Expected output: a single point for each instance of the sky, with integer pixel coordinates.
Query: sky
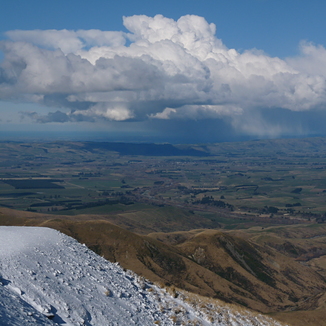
(184, 71)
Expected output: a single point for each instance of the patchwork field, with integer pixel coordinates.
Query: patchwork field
(280, 179)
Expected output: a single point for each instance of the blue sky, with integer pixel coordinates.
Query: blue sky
(262, 74)
(274, 26)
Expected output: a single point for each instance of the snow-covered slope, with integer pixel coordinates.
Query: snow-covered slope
(48, 278)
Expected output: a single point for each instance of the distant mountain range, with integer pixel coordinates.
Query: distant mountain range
(252, 147)
(143, 149)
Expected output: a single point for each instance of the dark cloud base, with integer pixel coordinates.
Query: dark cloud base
(292, 124)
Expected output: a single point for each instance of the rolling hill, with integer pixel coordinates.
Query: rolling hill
(48, 278)
(269, 270)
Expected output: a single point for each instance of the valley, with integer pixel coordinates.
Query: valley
(239, 222)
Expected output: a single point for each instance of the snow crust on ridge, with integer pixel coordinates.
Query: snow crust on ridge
(48, 278)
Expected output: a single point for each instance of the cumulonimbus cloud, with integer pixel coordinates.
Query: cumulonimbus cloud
(161, 69)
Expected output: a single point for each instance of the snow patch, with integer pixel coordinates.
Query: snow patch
(48, 278)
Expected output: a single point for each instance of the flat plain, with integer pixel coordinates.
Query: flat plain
(257, 180)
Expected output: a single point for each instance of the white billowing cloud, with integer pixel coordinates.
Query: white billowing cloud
(170, 70)
(197, 112)
(312, 59)
(191, 32)
(115, 112)
(68, 41)
(165, 114)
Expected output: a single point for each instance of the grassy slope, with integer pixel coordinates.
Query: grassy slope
(236, 267)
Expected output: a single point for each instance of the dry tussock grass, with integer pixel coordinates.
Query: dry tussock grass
(214, 309)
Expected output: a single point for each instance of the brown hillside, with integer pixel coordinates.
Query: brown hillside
(239, 267)
(217, 264)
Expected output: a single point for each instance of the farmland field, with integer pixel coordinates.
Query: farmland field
(273, 181)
